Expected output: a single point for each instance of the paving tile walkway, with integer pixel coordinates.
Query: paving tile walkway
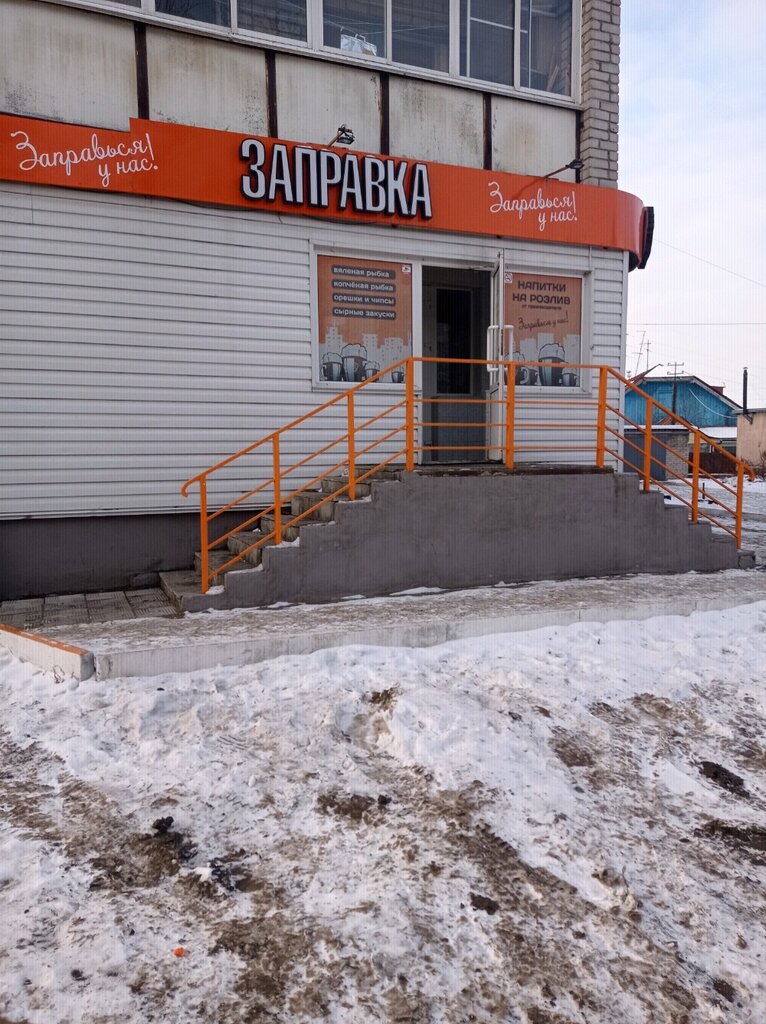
(82, 609)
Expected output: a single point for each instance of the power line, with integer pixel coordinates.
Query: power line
(712, 412)
(711, 264)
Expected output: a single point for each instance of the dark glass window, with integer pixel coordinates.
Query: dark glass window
(486, 40)
(546, 45)
(356, 26)
(420, 33)
(215, 12)
(279, 18)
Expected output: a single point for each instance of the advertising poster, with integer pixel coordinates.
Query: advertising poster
(364, 318)
(546, 314)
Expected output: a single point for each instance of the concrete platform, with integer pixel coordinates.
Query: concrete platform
(153, 646)
(453, 528)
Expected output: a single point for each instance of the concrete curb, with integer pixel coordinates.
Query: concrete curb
(47, 654)
(151, 661)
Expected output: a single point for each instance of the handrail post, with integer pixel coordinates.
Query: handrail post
(510, 414)
(277, 491)
(203, 537)
(601, 423)
(696, 477)
(410, 415)
(351, 447)
(740, 499)
(648, 445)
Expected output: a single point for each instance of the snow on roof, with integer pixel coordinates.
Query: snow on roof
(720, 432)
(660, 426)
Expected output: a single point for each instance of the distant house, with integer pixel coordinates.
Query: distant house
(701, 404)
(751, 437)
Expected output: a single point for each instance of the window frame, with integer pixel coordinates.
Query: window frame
(320, 249)
(514, 29)
(273, 40)
(314, 44)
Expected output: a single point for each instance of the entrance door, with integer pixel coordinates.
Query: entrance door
(455, 314)
(500, 347)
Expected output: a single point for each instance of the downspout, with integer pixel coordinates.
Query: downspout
(745, 413)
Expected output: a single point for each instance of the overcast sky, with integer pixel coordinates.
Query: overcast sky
(693, 145)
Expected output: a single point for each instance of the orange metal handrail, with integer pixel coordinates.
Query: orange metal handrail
(514, 419)
(649, 440)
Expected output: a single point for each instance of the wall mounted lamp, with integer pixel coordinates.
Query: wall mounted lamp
(573, 165)
(343, 137)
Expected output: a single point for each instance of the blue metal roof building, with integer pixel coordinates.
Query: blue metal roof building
(689, 397)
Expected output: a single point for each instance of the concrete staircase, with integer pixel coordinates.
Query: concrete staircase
(457, 527)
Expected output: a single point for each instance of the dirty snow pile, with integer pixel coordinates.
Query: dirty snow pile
(563, 826)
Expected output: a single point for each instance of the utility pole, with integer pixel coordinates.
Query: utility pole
(640, 353)
(676, 367)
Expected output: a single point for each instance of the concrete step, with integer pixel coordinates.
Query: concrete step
(240, 542)
(745, 559)
(680, 513)
(268, 524)
(184, 592)
(334, 483)
(702, 528)
(216, 560)
(308, 500)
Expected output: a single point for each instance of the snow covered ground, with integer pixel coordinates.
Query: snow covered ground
(563, 826)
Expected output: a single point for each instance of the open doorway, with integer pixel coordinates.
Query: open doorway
(456, 308)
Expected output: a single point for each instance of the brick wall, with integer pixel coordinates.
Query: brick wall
(600, 91)
(678, 440)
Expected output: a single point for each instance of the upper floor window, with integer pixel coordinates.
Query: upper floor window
(356, 26)
(273, 17)
(518, 44)
(420, 33)
(215, 12)
(414, 32)
(276, 18)
(523, 43)
(546, 45)
(487, 32)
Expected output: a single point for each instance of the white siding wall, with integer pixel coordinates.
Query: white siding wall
(143, 340)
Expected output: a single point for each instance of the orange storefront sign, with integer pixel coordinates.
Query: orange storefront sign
(229, 169)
